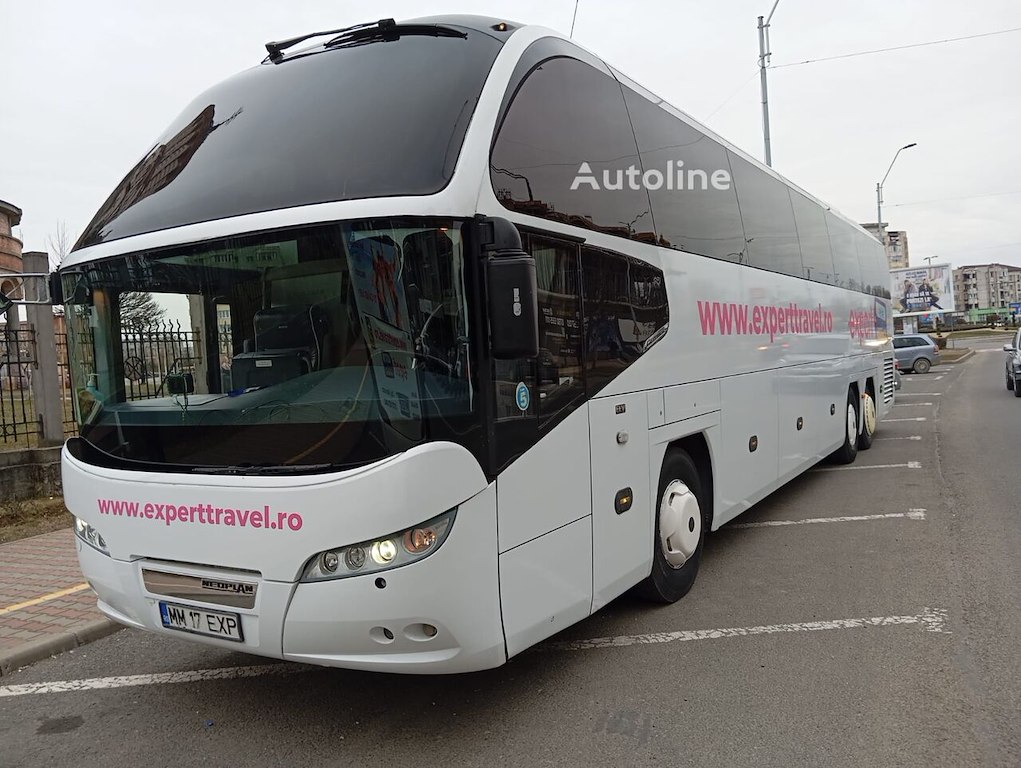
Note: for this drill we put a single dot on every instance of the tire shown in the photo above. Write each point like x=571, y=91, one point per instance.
x=868, y=419
x=848, y=452
x=1010, y=382
x=922, y=365
x=1017, y=388
x=675, y=559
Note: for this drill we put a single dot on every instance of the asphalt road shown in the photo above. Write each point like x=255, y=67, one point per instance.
x=891, y=640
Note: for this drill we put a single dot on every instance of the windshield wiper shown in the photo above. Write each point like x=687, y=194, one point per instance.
x=271, y=469
x=385, y=29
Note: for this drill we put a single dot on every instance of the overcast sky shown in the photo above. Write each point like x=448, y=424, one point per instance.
x=87, y=87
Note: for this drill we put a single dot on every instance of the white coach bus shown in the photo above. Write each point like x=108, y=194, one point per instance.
x=462, y=335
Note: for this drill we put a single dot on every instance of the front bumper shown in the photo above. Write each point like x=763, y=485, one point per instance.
x=355, y=623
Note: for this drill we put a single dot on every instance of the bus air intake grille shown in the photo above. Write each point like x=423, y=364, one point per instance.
x=888, y=381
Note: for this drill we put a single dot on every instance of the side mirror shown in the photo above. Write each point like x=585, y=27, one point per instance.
x=513, y=305
x=1008, y=348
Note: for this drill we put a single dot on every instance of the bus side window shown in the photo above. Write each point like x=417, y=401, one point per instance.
x=564, y=148
x=845, y=253
x=696, y=208
x=771, y=239
x=559, y=367
x=625, y=305
x=816, y=255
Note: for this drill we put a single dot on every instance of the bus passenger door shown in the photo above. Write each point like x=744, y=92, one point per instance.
x=622, y=507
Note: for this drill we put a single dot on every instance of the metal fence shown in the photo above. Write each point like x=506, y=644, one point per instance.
x=153, y=353
x=66, y=392
x=19, y=422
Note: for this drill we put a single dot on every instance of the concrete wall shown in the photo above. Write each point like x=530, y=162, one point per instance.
x=30, y=473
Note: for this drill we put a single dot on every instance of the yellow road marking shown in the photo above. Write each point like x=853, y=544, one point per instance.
x=43, y=599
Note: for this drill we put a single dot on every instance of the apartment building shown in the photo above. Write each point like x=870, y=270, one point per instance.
x=895, y=241
x=986, y=289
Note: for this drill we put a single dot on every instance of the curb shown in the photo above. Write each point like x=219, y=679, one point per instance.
x=43, y=648
x=961, y=359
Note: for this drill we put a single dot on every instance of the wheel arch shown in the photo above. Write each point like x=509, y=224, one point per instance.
x=697, y=447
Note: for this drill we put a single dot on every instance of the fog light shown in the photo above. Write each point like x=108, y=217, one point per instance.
x=354, y=558
x=90, y=535
x=330, y=561
x=384, y=551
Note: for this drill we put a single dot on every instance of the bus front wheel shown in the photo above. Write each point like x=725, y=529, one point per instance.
x=679, y=532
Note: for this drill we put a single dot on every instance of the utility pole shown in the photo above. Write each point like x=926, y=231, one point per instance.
x=764, y=54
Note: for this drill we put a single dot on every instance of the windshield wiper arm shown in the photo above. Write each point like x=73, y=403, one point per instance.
x=268, y=469
x=387, y=30
x=384, y=29
x=276, y=49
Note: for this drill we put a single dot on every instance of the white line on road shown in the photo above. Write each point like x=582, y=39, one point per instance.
x=937, y=378
x=916, y=418
x=224, y=673
x=907, y=437
x=909, y=465
x=902, y=393
x=932, y=620
x=911, y=514
x=910, y=405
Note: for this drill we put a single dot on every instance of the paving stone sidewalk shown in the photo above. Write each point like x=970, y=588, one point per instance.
x=45, y=605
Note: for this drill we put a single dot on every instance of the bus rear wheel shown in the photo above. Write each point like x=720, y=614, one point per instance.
x=848, y=452
x=868, y=421
x=679, y=532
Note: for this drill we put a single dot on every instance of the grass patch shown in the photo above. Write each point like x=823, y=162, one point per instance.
x=21, y=519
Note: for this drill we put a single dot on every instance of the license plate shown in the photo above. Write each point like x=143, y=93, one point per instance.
x=201, y=622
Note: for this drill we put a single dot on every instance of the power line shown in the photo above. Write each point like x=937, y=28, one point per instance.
x=951, y=199
x=731, y=96
x=897, y=48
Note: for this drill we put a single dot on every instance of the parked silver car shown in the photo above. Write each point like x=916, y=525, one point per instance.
x=1013, y=364
x=915, y=352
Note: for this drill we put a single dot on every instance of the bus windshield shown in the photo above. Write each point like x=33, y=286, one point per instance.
x=330, y=345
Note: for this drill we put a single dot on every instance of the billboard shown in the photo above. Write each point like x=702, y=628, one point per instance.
x=922, y=290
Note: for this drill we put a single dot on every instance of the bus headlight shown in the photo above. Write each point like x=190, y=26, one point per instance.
x=383, y=554
x=90, y=535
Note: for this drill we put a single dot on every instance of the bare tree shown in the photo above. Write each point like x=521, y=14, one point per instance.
x=59, y=243
x=139, y=310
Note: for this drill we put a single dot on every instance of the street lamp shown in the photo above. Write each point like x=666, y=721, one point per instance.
x=879, y=192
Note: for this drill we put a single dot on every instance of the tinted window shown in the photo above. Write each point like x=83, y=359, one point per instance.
x=696, y=205
x=560, y=373
x=768, y=219
x=816, y=256
x=847, y=273
x=387, y=118
x=875, y=270
x=567, y=113
x=899, y=342
x=625, y=307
